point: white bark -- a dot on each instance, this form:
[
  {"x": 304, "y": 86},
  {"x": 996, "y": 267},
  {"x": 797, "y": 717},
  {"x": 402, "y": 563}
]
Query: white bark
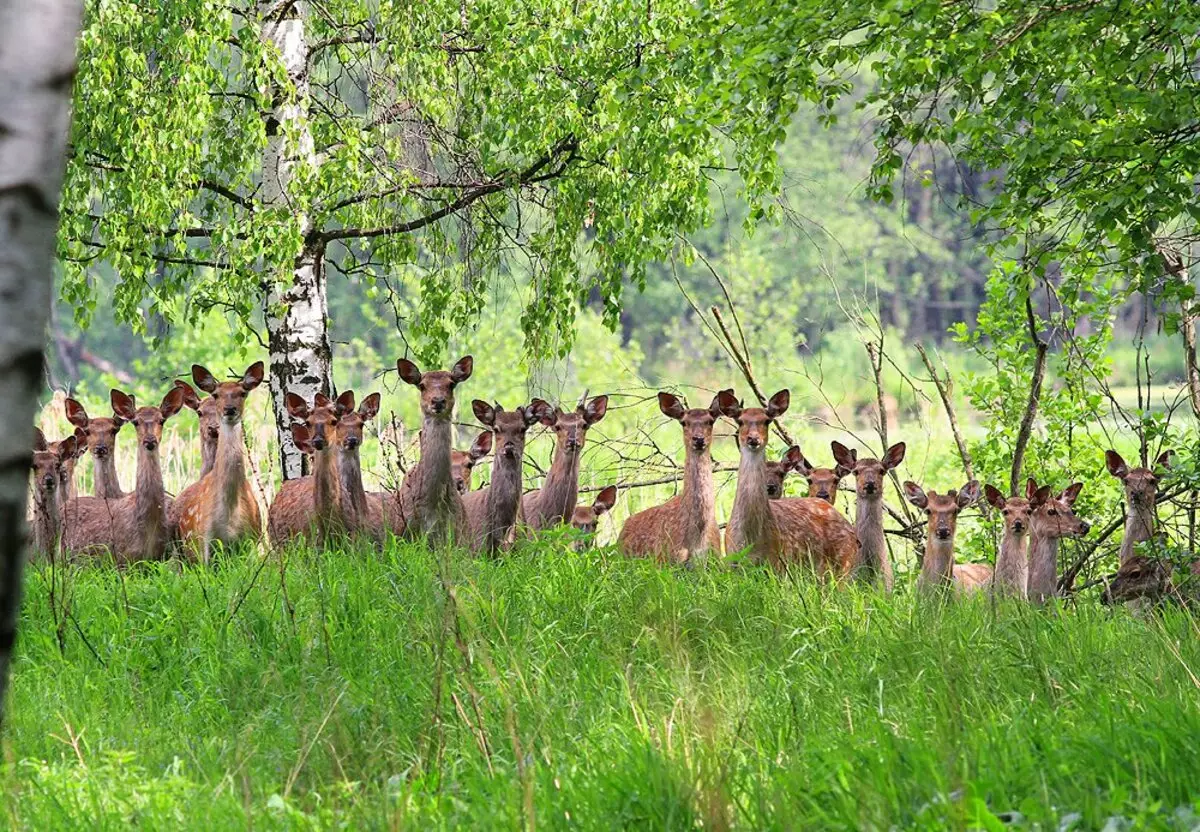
[
  {"x": 37, "y": 67},
  {"x": 296, "y": 308}
]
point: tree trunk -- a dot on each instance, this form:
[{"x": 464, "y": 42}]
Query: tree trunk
[
  {"x": 37, "y": 68},
  {"x": 295, "y": 305}
]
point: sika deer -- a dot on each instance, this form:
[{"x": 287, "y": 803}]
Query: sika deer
[
  {"x": 310, "y": 504},
  {"x": 48, "y": 493},
  {"x": 684, "y": 529},
  {"x": 785, "y": 532},
  {"x": 1141, "y": 499},
  {"x": 585, "y": 519},
  {"x": 492, "y": 510},
  {"x": 1012, "y": 561},
  {"x": 463, "y": 462},
  {"x": 938, "y": 570},
  {"x": 1053, "y": 518},
  {"x": 429, "y": 505},
  {"x": 874, "y": 564},
  {"x": 361, "y": 512},
  {"x": 220, "y": 506},
  {"x": 133, "y": 527},
  {"x": 823, "y": 483},
  {"x": 68, "y": 491},
  {"x": 208, "y": 411},
  {"x": 102, "y": 442},
  {"x": 554, "y": 502},
  {"x": 777, "y": 471}
]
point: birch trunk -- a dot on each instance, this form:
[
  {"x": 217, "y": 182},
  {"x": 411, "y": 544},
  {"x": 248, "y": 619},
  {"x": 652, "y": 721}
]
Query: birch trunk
[
  {"x": 295, "y": 304},
  {"x": 37, "y": 68}
]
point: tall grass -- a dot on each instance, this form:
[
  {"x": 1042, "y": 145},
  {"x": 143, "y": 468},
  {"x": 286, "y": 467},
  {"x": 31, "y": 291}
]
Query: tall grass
[{"x": 407, "y": 690}]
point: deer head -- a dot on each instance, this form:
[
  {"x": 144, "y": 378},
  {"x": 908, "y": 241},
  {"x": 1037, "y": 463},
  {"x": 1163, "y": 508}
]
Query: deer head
[
  {"x": 101, "y": 432},
  {"x": 777, "y": 472},
  {"x": 753, "y": 423},
  {"x": 585, "y": 518},
  {"x": 942, "y": 509},
  {"x": 230, "y": 395},
  {"x": 868, "y": 473},
  {"x": 436, "y": 386},
  {"x": 697, "y": 422},
  {"x": 462, "y": 462},
  {"x": 571, "y": 427},
  {"x": 351, "y": 423},
  {"x": 206, "y": 409},
  {"x": 49, "y": 459},
  {"x": 508, "y": 426},
  {"x": 1016, "y": 511},
  {"x": 1053, "y": 518},
  {"x": 1141, "y": 484},
  {"x": 321, "y": 420},
  {"x": 147, "y": 421}
]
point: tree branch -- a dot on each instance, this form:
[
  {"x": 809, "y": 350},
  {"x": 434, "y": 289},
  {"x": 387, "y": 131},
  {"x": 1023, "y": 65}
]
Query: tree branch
[
  {"x": 1035, "y": 393},
  {"x": 944, "y": 393}
]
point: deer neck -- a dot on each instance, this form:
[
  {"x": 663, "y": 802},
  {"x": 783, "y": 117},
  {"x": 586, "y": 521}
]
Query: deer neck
[
  {"x": 1043, "y": 566},
  {"x": 1140, "y": 523},
  {"x": 435, "y": 456},
  {"x": 698, "y": 497},
  {"x": 561, "y": 491},
  {"x": 751, "y": 522},
  {"x": 107, "y": 485},
  {"x": 325, "y": 484},
  {"x": 208, "y": 453},
  {"x": 938, "y": 566},
  {"x": 150, "y": 500},
  {"x": 68, "y": 480},
  {"x": 503, "y": 500},
  {"x": 47, "y": 519},
  {"x": 229, "y": 469},
  {"x": 1012, "y": 565},
  {"x": 868, "y": 525},
  {"x": 351, "y": 494}
]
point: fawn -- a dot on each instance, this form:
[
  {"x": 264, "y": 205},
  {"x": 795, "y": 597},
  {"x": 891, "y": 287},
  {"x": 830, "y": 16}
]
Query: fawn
[
  {"x": 49, "y": 492},
  {"x": 207, "y": 409},
  {"x": 683, "y": 530},
  {"x": 428, "y": 502},
  {"x": 874, "y": 564},
  {"x": 787, "y": 531},
  {"x": 1011, "y": 576},
  {"x": 310, "y": 504},
  {"x": 102, "y": 442},
  {"x": 462, "y": 463},
  {"x": 1052, "y": 519},
  {"x": 220, "y": 506},
  {"x": 1141, "y": 499},
  {"x": 553, "y": 503},
  {"x": 134, "y": 527},
  {"x": 492, "y": 510},
  {"x": 938, "y": 569},
  {"x": 585, "y": 519}
]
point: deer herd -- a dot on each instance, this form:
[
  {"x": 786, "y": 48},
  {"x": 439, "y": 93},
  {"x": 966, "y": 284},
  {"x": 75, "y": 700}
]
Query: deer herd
[{"x": 436, "y": 502}]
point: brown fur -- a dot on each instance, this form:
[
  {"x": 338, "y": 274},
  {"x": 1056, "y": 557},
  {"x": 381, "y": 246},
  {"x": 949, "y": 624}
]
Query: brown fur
[
  {"x": 102, "y": 442},
  {"x": 823, "y": 483},
  {"x": 874, "y": 562},
  {"x": 553, "y": 503},
  {"x": 360, "y": 514},
  {"x": 462, "y": 463},
  {"x": 49, "y": 493},
  {"x": 684, "y": 529},
  {"x": 492, "y": 510},
  {"x": 220, "y": 506},
  {"x": 1141, "y": 499},
  {"x": 786, "y": 532},
  {"x": 309, "y": 506},
  {"x": 134, "y": 527},
  {"x": 1012, "y": 560},
  {"x": 585, "y": 519},
  {"x": 1053, "y": 518},
  {"x": 207, "y": 410},
  {"x": 938, "y": 569}
]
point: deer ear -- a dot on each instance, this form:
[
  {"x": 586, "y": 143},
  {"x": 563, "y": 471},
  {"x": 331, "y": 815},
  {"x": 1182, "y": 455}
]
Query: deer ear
[
  {"x": 1031, "y": 488},
  {"x": 80, "y": 437},
  {"x": 203, "y": 379},
  {"x": 1072, "y": 493},
  {"x": 729, "y": 405},
  {"x": 894, "y": 456},
  {"x": 1116, "y": 464},
  {"x": 345, "y": 402},
  {"x": 843, "y": 456},
  {"x": 969, "y": 494},
  {"x": 322, "y": 401},
  {"x": 76, "y": 415},
  {"x": 481, "y": 447},
  {"x": 296, "y": 407},
  {"x": 546, "y": 414},
  {"x": 461, "y": 371},
  {"x": 302, "y": 437},
  {"x": 172, "y": 403},
  {"x": 123, "y": 405},
  {"x": 253, "y": 376},
  {"x": 594, "y": 410},
  {"x": 778, "y": 404},
  {"x": 39, "y": 440},
  {"x": 993, "y": 495},
  {"x": 1040, "y": 497},
  {"x": 605, "y": 500},
  {"x": 794, "y": 459},
  {"x": 1164, "y": 459},
  {"x": 68, "y": 448},
  {"x": 484, "y": 412},
  {"x": 670, "y": 406},
  {"x": 915, "y": 495},
  {"x": 714, "y": 409},
  {"x": 369, "y": 408},
  {"x": 408, "y": 371},
  {"x": 190, "y": 399}
]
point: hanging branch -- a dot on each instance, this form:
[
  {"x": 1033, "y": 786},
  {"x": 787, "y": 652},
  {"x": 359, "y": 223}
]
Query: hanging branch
[
  {"x": 944, "y": 392},
  {"x": 743, "y": 363},
  {"x": 1035, "y": 393}
]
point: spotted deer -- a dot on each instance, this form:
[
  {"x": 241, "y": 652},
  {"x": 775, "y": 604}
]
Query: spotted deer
[
  {"x": 777, "y": 471},
  {"x": 1052, "y": 519},
  {"x": 823, "y": 483},
  {"x": 220, "y": 506},
  {"x": 462, "y": 463},
  {"x": 428, "y": 503},
  {"x": 938, "y": 569},
  {"x": 1011, "y": 576},
  {"x": 683, "y": 530},
  {"x": 1141, "y": 499},
  {"x": 874, "y": 564},
  {"x": 585, "y": 519},
  {"x": 553, "y": 503},
  {"x": 208, "y": 412},
  {"x": 492, "y": 510},
  {"x": 134, "y": 527},
  {"x": 49, "y": 493},
  {"x": 310, "y": 505},
  {"x": 786, "y": 532},
  {"x": 102, "y": 442}
]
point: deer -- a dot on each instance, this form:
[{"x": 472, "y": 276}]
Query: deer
[
  {"x": 874, "y": 563},
  {"x": 789, "y": 531},
  {"x": 428, "y": 503},
  {"x": 1141, "y": 499},
  {"x": 360, "y": 512},
  {"x": 1011, "y": 576},
  {"x": 585, "y": 519},
  {"x": 554, "y": 502},
  {"x": 220, "y": 506},
  {"x": 462, "y": 463},
  {"x": 49, "y": 492},
  {"x": 134, "y": 527},
  {"x": 492, "y": 510},
  {"x": 102, "y": 442},
  {"x": 1052, "y": 519},
  {"x": 311, "y": 503},
  {"x": 822, "y": 482},
  {"x": 938, "y": 569},
  {"x": 683, "y": 530},
  {"x": 67, "y": 469},
  {"x": 208, "y": 411}
]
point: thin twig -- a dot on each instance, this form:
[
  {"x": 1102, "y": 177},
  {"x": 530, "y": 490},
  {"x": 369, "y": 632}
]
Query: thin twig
[{"x": 944, "y": 393}]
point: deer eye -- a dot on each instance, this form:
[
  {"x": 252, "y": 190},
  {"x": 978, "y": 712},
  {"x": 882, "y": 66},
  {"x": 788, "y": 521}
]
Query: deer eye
[
  {"x": 1004, "y": 511},
  {"x": 928, "y": 512}
]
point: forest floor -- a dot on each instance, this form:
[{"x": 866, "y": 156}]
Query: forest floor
[{"x": 363, "y": 690}]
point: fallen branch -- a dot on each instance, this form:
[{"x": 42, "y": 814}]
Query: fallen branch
[{"x": 944, "y": 393}]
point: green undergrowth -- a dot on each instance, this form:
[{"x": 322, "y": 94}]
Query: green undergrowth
[{"x": 407, "y": 689}]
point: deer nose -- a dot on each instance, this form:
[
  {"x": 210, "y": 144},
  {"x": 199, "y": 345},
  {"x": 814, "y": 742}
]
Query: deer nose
[
  {"x": 824, "y": 495},
  {"x": 439, "y": 404},
  {"x": 48, "y": 482},
  {"x": 870, "y": 488},
  {"x": 772, "y": 490},
  {"x": 461, "y": 486},
  {"x": 230, "y": 411},
  {"x": 100, "y": 451},
  {"x": 1018, "y": 527},
  {"x": 754, "y": 442},
  {"x": 318, "y": 443},
  {"x": 150, "y": 444},
  {"x": 214, "y": 432},
  {"x": 1084, "y": 527},
  {"x": 943, "y": 534},
  {"x": 352, "y": 442},
  {"x": 698, "y": 443},
  {"x": 510, "y": 450}
]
